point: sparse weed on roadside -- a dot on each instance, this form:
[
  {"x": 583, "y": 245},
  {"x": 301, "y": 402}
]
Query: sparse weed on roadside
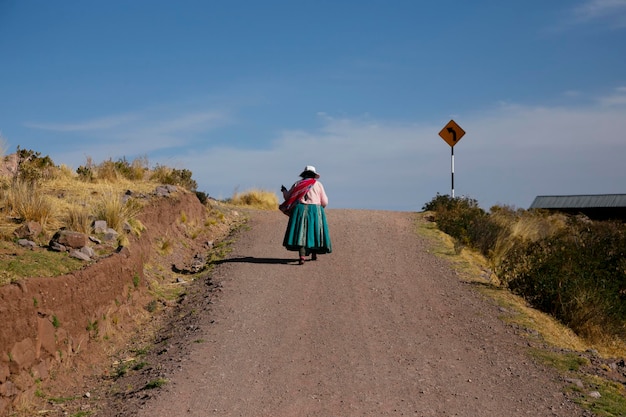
[{"x": 260, "y": 199}]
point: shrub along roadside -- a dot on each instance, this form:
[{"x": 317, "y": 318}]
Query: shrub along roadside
[{"x": 570, "y": 267}]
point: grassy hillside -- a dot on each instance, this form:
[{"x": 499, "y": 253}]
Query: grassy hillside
[{"x": 34, "y": 189}]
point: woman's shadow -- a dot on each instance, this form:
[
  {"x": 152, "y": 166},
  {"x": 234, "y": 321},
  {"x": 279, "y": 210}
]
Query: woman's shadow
[{"x": 253, "y": 260}]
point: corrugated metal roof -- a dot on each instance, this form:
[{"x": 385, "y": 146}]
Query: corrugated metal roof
[{"x": 579, "y": 201}]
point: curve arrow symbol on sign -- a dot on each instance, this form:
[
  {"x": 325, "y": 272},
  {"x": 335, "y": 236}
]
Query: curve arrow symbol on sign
[{"x": 451, "y": 130}]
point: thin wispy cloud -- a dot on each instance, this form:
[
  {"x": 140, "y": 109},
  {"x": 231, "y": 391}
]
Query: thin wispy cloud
[
  {"x": 610, "y": 12},
  {"x": 99, "y": 124},
  {"x": 137, "y": 133},
  {"x": 196, "y": 120},
  {"x": 618, "y": 98}
]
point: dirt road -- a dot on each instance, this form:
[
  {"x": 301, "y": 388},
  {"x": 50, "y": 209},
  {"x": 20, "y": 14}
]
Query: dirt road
[{"x": 380, "y": 327}]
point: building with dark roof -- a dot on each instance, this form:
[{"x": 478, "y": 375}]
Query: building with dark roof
[{"x": 595, "y": 206}]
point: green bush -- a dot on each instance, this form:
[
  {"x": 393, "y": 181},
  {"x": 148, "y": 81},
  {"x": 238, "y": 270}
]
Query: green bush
[
  {"x": 464, "y": 220},
  {"x": 202, "y": 197},
  {"x": 33, "y": 167},
  {"x": 577, "y": 275},
  {"x": 570, "y": 267},
  {"x": 85, "y": 173},
  {"x": 172, "y": 176},
  {"x": 132, "y": 171}
]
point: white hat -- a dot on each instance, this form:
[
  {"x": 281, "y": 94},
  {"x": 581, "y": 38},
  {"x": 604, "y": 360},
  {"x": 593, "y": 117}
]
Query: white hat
[{"x": 310, "y": 168}]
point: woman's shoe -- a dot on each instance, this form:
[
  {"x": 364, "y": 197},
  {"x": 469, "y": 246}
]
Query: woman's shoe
[
  {"x": 314, "y": 256},
  {"x": 301, "y": 261}
]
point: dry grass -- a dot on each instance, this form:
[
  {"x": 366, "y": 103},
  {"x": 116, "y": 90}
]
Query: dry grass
[
  {"x": 3, "y": 146},
  {"x": 525, "y": 227},
  {"x": 261, "y": 199},
  {"x": 26, "y": 201},
  {"x": 112, "y": 208},
  {"x": 78, "y": 219},
  {"x": 70, "y": 202},
  {"x": 470, "y": 265}
]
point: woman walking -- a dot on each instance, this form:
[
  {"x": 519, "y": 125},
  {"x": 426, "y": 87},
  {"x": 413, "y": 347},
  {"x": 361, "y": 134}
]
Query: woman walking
[{"x": 307, "y": 230}]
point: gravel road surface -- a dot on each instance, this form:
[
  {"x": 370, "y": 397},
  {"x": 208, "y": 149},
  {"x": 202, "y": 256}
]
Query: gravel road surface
[{"x": 380, "y": 327}]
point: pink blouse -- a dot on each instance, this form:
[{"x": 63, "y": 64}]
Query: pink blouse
[{"x": 316, "y": 195}]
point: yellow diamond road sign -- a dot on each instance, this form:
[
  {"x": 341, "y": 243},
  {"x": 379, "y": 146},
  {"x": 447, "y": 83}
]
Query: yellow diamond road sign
[{"x": 452, "y": 133}]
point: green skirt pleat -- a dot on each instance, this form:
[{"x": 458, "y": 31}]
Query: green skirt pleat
[{"x": 308, "y": 228}]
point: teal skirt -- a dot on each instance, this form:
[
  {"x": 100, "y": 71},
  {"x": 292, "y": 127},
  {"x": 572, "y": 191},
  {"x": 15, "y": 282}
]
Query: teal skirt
[{"x": 308, "y": 228}]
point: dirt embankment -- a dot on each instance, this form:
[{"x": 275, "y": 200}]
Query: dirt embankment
[{"x": 62, "y": 329}]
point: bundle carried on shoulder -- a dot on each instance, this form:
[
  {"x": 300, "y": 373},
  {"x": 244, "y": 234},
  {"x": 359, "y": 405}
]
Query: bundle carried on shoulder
[{"x": 296, "y": 193}]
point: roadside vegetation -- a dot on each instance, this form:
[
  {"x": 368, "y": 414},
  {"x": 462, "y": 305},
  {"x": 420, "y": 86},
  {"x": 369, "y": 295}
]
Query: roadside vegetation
[
  {"x": 570, "y": 267},
  {"x": 561, "y": 277},
  {"x": 34, "y": 189},
  {"x": 260, "y": 199}
]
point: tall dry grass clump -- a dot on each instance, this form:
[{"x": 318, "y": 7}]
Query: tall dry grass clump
[
  {"x": 113, "y": 171},
  {"x": 24, "y": 201},
  {"x": 3, "y": 146},
  {"x": 256, "y": 198},
  {"x": 116, "y": 210},
  {"x": 521, "y": 227},
  {"x": 78, "y": 219}
]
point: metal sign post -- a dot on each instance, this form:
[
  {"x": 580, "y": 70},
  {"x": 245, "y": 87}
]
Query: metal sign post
[
  {"x": 452, "y": 134},
  {"x": 452, "y": 159}
]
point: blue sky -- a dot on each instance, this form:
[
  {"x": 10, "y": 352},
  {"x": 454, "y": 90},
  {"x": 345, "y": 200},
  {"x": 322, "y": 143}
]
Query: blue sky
[{"x": 246, "y": 93}]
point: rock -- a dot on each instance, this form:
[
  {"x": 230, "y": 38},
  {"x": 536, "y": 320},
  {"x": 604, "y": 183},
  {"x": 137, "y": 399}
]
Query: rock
[
  {"x": 576, "y": 382},
  {"x": 79, "y": 255},
  {"x": 74, "y": 240},
  {"x": 110, "y": 235},
  {"x": 88, "y": 251},
  {"x": 40, "y": 371},
  {"x": 165, "y": 190},
  {"x": 28, "y": 230},
  {"x": 4, "y": 372},
  {"x": 27, "y": 243},
  {"x": 595, "y": 394},
  {"x": 46, "y": 336},
  {"x": 57, "y": 247},
  {"x": 198, "y": 263},
  {"x": 100, "y": 226},
  {"x": 22, "y": 355},
  {"x": 8, "y": 389},
  {"x": 124, "y": 251}
]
